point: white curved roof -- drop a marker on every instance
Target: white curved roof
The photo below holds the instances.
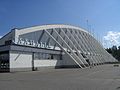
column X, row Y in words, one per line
column 42, row 27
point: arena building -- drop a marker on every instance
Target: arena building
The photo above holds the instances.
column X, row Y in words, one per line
column 50, row 46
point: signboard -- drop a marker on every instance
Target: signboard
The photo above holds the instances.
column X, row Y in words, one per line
column 32, row 43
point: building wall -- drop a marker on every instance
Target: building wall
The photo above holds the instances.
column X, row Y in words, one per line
column 67, row 61
column 47, row 63
column 20, row 61
column 7, row 37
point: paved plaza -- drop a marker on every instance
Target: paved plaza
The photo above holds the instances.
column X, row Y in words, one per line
column 103, row 77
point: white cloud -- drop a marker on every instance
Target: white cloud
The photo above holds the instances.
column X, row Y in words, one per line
column 112, row 38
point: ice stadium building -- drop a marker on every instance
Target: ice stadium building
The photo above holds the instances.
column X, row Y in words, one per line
column 50, row 46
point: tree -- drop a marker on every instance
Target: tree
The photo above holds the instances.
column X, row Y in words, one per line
column 114, row 51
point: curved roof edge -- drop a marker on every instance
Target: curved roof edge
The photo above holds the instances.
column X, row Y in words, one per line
column 42, row 27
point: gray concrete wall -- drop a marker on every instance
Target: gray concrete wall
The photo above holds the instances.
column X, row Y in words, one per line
column 20, row 60
column 67, row 61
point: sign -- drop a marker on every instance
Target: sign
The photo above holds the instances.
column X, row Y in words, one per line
column 27, row 42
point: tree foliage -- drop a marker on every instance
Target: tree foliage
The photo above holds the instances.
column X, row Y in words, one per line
column 114, row 51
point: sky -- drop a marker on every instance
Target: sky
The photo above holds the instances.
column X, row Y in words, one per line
column 103, row 16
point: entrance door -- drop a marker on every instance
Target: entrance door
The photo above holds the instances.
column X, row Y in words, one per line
column 4, row 62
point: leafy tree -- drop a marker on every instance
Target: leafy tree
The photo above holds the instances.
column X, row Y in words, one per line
column 114, row 51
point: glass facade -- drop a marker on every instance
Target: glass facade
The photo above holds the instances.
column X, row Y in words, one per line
column 47, row 56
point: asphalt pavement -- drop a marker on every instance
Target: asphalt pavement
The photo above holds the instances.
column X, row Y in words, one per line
column 102, row 77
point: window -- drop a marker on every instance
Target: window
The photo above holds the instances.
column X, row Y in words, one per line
column 46, row 56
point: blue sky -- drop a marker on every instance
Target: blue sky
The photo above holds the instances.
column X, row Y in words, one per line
column 103, row 15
